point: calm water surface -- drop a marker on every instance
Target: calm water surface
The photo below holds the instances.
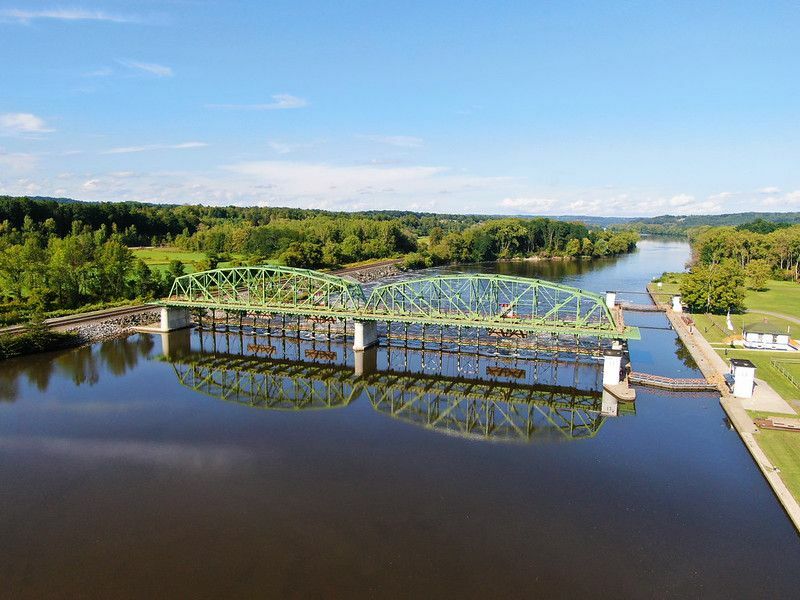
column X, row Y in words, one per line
column 125, row 474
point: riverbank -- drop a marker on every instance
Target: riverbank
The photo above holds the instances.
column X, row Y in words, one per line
column 765, row 399
column 76, row 330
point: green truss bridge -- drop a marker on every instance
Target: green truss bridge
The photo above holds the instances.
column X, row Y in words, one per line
column 498, row 303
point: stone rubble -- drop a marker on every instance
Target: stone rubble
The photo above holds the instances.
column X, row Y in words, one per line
column 113, row 327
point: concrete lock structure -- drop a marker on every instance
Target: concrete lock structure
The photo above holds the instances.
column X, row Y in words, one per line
column 365, row 334
column 744, row 377
column 173, row 318
column 611, row 298
column 612, row 367
column 676, row 304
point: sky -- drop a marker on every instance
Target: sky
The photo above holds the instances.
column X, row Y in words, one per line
column 552, row 108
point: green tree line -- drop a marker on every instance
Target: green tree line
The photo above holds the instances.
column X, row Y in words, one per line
column 726, row 260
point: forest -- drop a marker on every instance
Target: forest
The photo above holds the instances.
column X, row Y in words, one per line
column 60, row 256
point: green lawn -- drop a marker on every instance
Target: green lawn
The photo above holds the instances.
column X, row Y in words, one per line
column 715, row 329
column 765, row 369
column 783, row 450
column 154, row 256
column 780, row 296
column 159, row 258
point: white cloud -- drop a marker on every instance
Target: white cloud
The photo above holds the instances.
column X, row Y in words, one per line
column 148, row 147
column 17, row 161
column 150, row 68
column 681, row 200
column 64, row 14
column 279, row 102
column 400, row 141
column 20, row 123
column 528, row 205
column 769, row 190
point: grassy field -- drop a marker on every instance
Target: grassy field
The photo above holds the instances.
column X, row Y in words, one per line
column 159, row 258
column 714, row 327
column 780, row 296
column 783, row 450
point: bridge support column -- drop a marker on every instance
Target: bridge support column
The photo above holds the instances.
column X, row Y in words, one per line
column 175, row 318
column 365, row 334
column 176, row 344
column 612, row 367
column 610, row 405
column 366, row 361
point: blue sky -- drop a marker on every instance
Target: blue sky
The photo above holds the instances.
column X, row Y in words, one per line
column 609, row 108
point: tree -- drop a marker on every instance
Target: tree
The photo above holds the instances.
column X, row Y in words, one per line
column 758, row 272
column 573, row 247
column 714, row 288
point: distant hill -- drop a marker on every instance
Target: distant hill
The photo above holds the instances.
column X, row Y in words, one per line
column 733, row 219
column 51, row 199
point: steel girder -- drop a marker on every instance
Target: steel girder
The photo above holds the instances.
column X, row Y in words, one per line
column 467, row 300
column 270, row 287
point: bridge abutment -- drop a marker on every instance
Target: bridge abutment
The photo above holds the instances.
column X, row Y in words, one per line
column 175, row 318
column 365, row 334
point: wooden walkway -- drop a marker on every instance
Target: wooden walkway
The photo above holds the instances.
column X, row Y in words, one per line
column 672, row 383
column 633, row 307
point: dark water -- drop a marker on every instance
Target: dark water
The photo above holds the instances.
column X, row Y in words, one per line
column 220, row 475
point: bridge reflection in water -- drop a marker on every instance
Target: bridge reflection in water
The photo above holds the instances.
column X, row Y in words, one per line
column 495, row 406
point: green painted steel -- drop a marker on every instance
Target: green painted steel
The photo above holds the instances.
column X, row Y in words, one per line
column 468, row 300
column 468, row 408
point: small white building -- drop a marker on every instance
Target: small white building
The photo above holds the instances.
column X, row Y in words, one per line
column 764, row 337
column 742, row 377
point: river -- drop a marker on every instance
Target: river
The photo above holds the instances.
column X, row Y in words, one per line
column 121, row 479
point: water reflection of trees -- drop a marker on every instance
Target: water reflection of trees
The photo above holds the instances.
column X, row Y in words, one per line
column 683, row 354
column 83, row 365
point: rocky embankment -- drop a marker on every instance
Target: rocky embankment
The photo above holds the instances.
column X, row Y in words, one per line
column 368, row 274
column 112, row 327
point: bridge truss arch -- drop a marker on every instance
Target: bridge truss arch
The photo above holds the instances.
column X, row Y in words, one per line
column 269, row 287
column 500, row 301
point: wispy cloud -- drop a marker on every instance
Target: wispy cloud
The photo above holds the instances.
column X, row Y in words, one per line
column 279, row 102
column 17, row 161
column 528, row 205
column 770, row 190
column 21, row 123
column 148, row 147
column 101, row 72
column 63, row 14
column 399, row 141
column 150, row 68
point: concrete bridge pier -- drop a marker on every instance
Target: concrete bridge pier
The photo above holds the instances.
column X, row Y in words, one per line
column 176, row 344
column 612, row 367
column 365, row 334
column 175, row 318
column 366, row 361
column 610, row 404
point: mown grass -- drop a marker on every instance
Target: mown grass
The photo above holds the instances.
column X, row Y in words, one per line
column 783, row 450
column 160, row 257
column 779, row 296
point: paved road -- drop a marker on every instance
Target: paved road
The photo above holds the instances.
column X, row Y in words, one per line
column 775, row 314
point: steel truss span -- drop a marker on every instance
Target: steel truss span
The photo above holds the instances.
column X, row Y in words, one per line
column 469, row 408
column 493, row 302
